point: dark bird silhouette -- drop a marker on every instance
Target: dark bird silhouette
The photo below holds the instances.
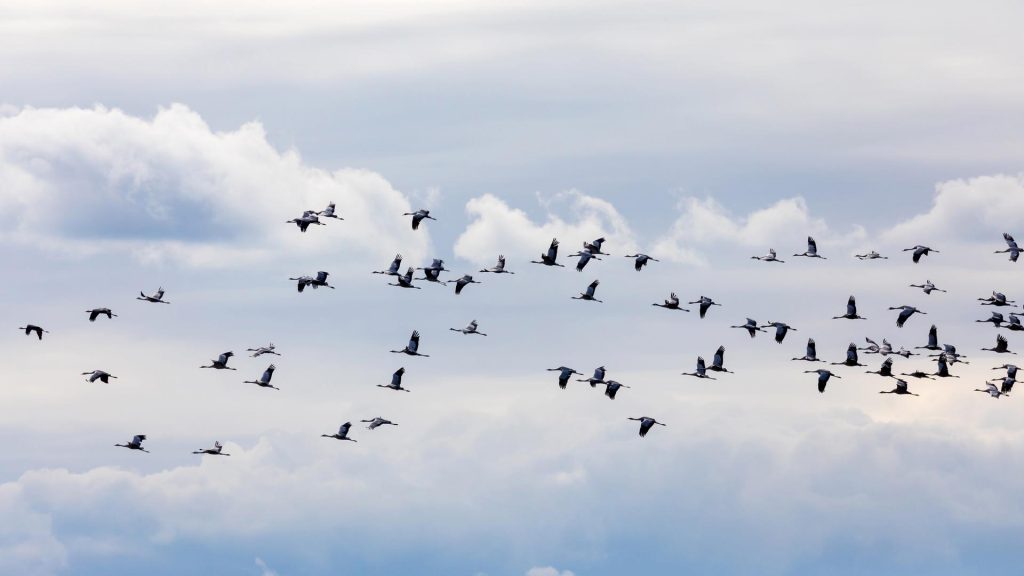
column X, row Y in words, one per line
column 646, row 424
column 30, row 328
column 872, row 255
column 781, row 329
column 811, row 354
column 329, row 212
column 933, row 340
column 404, row 281
column 942, row 368
column 996, row 319
column 564, row 373
column 550, row 258
column 463, row 282
column 884, row 370
column 1005, row 384
column 97, row 312
column 221, row 363
column 377, row 422
column 595, row 247
column 920, row 251
column 770, row 257
column 157, row 297
column 1011, row 247
column 313, row 282
column 750, row 326
column 991, row 390
column 100, row 375
column 1011, row 370
column 717, row 363
column 264, row 381
column 268, row 349
column 611, row 388
column 308, row 217
column 342, row 433
column 396, row 381
column 851, row 357
column 901, row 389
column 135, row 444
column 589, row 294
column 1001, row 346
column 701, row 372
column 1013, row 324
column 905, row 314
column 432, row 275
column 641, row 260
column 812, row 250
column 597, row 378
column 705, row 303
column 585, row 256
column 498, row 268
column 928, row 287
column 823, row 377
column 851, row 311
column 470, row 328
column 418, row 217
column 917, row 374
column 215, row 451
column 671, row 304
column 412, row 348
column 393, row 269
column 996, row 299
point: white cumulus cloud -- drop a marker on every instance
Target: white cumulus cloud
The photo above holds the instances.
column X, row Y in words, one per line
column 548, row 571
column 83, row 181
column 497, row 228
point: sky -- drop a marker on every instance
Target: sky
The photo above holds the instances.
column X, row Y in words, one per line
column 166, row 145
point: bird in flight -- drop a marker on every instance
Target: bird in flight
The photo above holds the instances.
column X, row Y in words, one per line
column 404, row 281
column 611, row 388
column 671, row 304
column 396, row 381
column 851, row 311
column 920, row 251
column 550, row 258
column 1001, row 347
column 872, row 255
column 308, row 217
column 589, row 294
column 905, row 314
column 157, row 297
column 470, row 328
column 342, row 433
column 412, row 348
column 418, row 216
column 823, row 377
column 781, row 329
column 901, row 389
column 597, row 378
column 377, row 422
column 463, row 282
column 32, row 328
column 770, row 257
column 393, row 269
column 751, row 327
column 585, row 256
column 97, row 312
column 705, row 304
column 851, row 357
column 812, row 250
column 264, row 381
column 996, row 299
column 1011, row 247
column 927, row 287
column 268, row 349
column 701, row 372
column 221, row 363
column 646, row 424
column 329, row 212
column 811, row 354
column 641, row 260
column 564, row 373
column 991, row 390
column 98, row 375
column 499, row 268
column 135, row 444
column 215, row 451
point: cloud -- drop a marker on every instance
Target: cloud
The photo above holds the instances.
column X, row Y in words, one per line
column 264, row 569
column 974, row 210
column 548, row 571
column 85, row 181
column 706, row 225
column 496, row 228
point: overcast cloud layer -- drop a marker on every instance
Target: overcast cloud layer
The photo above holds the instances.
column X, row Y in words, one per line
column 136, row 154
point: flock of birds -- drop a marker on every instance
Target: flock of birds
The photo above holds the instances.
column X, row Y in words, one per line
column 946, row 354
